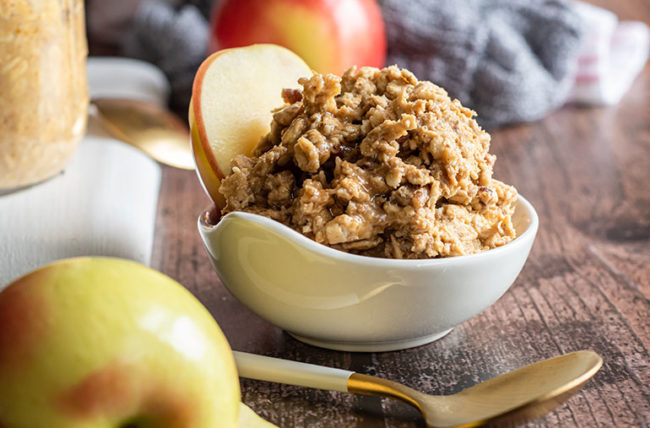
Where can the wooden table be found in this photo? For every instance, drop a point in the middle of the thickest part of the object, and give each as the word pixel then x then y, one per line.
pixel 586 284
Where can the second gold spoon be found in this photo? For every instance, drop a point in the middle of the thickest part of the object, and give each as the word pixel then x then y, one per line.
pixel 512 398
pixel 152 129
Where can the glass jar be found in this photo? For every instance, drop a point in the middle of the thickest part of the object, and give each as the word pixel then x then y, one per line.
pixel 43 90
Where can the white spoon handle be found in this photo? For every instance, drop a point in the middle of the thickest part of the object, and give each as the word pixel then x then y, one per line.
pixel 270 369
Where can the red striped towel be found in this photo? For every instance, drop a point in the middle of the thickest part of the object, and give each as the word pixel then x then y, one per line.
pixel 611 55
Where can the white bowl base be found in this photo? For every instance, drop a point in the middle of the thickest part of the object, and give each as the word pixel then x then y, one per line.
pixel 396 345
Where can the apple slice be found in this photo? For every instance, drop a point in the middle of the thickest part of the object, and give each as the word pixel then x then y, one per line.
pixel 249 419
pixel 233 94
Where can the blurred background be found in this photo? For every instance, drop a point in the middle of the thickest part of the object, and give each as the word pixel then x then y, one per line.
pixel 510 60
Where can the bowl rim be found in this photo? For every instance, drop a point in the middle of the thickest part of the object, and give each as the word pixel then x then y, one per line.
pixel 380 262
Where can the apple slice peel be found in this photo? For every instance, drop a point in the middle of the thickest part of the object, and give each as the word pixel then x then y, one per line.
pixel 233 94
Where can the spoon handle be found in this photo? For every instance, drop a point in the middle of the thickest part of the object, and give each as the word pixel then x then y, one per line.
pixel 271 369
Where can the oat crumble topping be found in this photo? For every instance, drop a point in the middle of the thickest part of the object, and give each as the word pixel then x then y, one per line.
pixel 376 163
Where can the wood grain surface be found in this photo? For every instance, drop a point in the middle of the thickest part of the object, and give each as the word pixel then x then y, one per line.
pixel 586 284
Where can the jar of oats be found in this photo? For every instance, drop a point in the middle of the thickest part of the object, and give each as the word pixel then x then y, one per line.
pixel 43 91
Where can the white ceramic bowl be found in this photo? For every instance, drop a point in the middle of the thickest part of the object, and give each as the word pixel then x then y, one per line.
pixel 342 301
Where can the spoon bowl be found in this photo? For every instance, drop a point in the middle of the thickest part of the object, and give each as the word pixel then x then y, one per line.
pixel 150 128
pixel 510 399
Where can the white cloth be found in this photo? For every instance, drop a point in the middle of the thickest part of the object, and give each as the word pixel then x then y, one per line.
pixel 103 204
pixel 118 77
pixel 611 55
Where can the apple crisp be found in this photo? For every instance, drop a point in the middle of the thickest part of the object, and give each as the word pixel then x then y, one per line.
pixel 376 163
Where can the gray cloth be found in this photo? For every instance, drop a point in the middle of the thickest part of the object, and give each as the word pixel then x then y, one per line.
pixel 174 40
pixel 509 60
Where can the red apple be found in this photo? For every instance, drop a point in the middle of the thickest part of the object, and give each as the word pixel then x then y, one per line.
pixel 330 35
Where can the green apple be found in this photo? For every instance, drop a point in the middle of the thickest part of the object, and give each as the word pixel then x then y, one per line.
pixel 101 342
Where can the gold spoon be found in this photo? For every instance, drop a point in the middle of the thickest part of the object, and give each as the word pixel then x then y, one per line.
pixel 512 398
pixel 150 128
